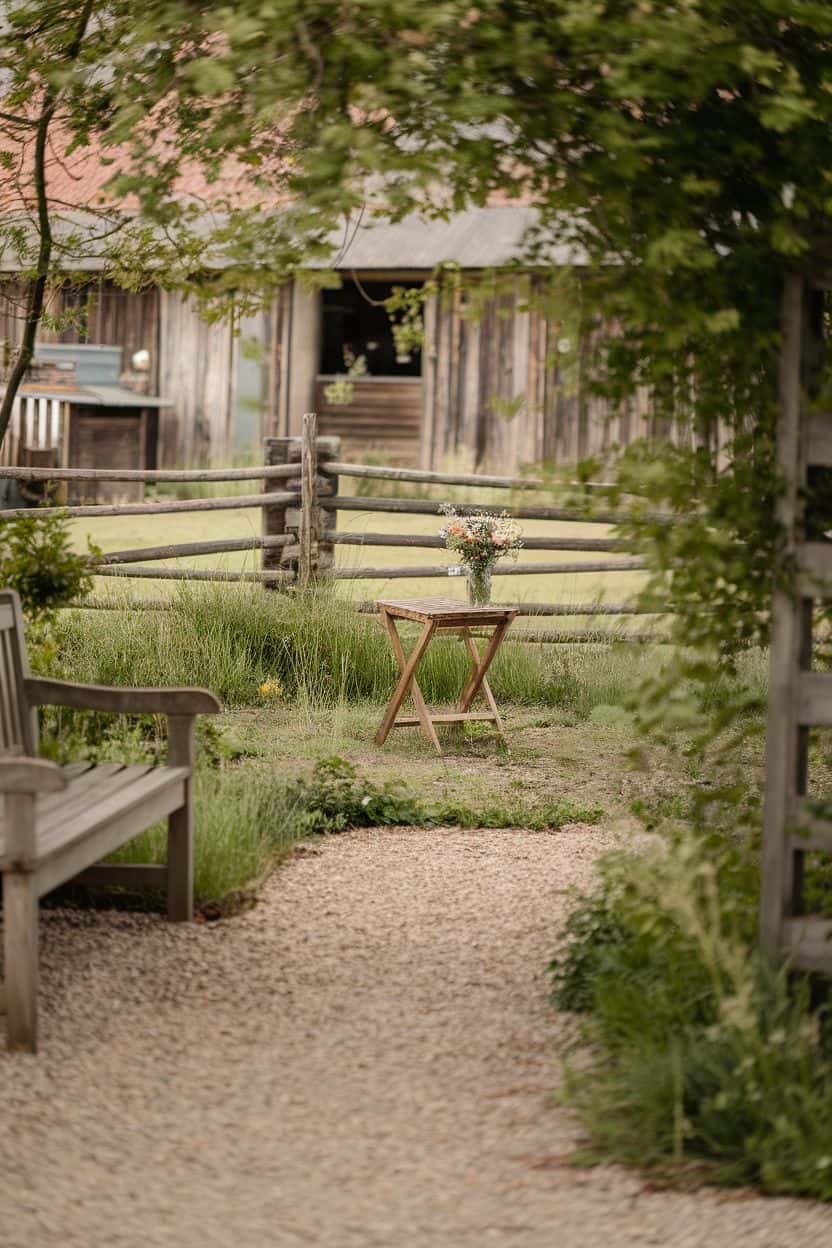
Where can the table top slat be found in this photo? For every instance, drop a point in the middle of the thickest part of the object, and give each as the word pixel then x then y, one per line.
pixel 442 610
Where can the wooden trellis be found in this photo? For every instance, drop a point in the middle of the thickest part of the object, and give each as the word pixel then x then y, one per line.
pixel 800 698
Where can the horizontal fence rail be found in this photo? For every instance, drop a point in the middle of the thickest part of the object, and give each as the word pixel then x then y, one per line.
pixel 193 574
pixel 263 472
pixel 509 569
pixel 380 472
pixel 427 507
pixel 438 543
pixel 232 503
pixel 181 550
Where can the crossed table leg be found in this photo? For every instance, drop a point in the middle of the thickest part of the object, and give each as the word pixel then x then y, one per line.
pixel 408 683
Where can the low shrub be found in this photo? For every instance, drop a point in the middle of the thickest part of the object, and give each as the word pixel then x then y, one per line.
pixel 335 796
pixel 700 1055
pixel 37 559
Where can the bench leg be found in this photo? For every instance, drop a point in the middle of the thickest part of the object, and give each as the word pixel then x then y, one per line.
pixel 20 952
pixel 181 864
pixel 181 753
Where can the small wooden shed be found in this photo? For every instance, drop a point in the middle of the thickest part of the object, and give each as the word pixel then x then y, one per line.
pixel 73 410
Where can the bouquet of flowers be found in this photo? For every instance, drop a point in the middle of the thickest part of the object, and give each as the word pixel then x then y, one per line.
pixel 480 540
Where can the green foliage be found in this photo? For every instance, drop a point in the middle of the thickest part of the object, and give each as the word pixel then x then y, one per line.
pixel 247 818
pixel 37 559
pixel 335 796
pixel 241 829
pixel 700 1054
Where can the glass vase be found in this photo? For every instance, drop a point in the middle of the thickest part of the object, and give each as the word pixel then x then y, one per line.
pixel 479 586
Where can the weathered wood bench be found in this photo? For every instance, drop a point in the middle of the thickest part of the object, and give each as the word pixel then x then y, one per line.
pixel 58 821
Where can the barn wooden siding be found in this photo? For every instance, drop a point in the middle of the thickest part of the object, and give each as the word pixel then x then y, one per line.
pixel 503 385
pixel 384 415
pixel 195 364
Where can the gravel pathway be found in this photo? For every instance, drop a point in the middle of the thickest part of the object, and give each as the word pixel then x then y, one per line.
pixel 365 1059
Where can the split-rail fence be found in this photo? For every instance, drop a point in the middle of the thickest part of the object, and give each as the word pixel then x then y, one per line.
pixel 300 501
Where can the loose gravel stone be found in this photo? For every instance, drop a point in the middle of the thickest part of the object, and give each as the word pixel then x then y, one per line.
pixel 366 1059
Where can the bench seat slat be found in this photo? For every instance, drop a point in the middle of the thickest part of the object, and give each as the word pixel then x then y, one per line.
pixel 89 788
pixel 108 824
pixel 123 792
pixel 77 791
pixel 91 797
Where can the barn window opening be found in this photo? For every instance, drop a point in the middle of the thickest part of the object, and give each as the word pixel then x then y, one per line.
pixel 355 325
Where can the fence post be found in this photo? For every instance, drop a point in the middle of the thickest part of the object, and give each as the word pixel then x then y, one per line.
pixel 309 512
pixel 275 451
pixel 314 553
pixel 329 448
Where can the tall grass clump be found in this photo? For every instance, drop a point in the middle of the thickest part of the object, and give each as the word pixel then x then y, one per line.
pixel 234 638
pixel 240 831
pixel 703 1059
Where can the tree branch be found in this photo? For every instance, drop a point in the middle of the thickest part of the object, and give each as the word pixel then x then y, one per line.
pixel 37 292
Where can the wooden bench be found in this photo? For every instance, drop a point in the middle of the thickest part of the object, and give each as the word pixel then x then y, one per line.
pixel 58 821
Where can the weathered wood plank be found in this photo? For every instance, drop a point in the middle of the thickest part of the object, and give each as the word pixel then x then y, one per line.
pixel 386 472
pixel 432 571
pixel 429 507
pixel 264 472
pixel 182 550
pixel 814 565
pixel 136 875
pixel 78 789
pixel 814 699
pixel 234 503
pixel 95 834
pixel 180 866
pixel 788 640
pixel 308 528
pixel 130 572
pixel 105 781
pixel 819 439
pixel 30 775
pixel 20 956
pixel 431 542
pixel 807 943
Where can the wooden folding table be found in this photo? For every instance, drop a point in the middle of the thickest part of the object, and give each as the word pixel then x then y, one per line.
pixel 447 615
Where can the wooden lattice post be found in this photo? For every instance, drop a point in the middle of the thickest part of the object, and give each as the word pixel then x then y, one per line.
pixel 799 698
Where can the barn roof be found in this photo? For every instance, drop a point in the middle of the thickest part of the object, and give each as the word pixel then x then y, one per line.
pixel 478 238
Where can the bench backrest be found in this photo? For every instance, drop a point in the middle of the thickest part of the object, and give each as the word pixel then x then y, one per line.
pixel 18 723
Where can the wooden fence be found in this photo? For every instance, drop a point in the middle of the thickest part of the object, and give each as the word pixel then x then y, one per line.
pixel 300 502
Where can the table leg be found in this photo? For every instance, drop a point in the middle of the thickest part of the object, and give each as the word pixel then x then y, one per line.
pixel 406 680
pixel 480 668
pixel 486 688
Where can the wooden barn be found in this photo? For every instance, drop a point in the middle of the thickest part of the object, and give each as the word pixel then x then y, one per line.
pixel 494 383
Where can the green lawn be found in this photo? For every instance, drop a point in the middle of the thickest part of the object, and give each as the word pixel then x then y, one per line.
pixel 125 532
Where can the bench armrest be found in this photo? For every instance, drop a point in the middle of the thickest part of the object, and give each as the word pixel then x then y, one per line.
pixel 30 775
pixel 41 692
